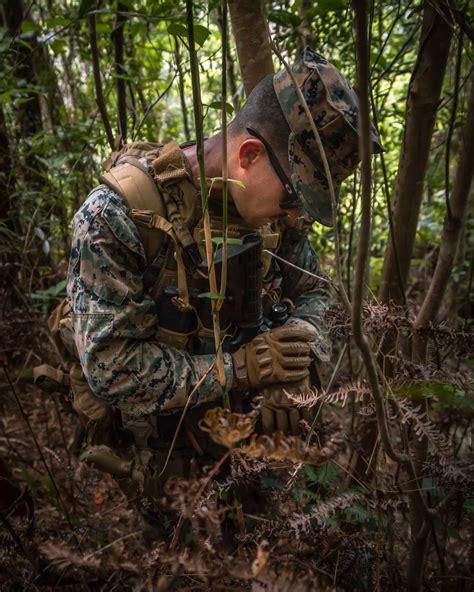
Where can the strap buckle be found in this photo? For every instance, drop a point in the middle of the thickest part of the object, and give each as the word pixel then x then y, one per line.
pixel 142 217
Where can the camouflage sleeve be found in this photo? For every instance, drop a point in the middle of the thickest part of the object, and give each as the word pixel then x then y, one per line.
pixel 310 296
pixel 115 322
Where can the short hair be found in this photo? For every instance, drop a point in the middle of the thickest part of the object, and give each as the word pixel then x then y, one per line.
pixel 262 111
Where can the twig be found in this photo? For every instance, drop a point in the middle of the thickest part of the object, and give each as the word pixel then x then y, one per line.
pixel 126 536
pixel 195 500
pixel 301 269
pixel 38 448
pixel 181 419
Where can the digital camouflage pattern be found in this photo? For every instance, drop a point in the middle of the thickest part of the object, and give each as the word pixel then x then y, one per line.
pixel 334 106
pixel 115 320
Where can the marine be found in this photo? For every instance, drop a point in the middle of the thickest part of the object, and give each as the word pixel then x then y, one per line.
pixel 121 297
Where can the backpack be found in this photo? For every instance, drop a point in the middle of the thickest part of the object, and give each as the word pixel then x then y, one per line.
pixel 155 184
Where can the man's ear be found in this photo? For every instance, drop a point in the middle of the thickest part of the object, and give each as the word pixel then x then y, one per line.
pixel 250 151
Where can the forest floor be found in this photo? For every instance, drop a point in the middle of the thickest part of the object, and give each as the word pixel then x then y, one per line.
pixel 68 526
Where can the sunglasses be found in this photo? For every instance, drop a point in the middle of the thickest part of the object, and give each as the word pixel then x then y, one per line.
pixel 292 200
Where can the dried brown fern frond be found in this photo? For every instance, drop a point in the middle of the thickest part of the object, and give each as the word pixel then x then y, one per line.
pixel 304 399
pixel 227 428
pixel 451 473
pixel 423 426
pixel 64 556
pixel 323 510
pixel 407 373
pixel 355 389
pixel 378 319
pixel 290 448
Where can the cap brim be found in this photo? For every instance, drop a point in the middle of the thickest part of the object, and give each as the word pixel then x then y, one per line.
pixel 311 183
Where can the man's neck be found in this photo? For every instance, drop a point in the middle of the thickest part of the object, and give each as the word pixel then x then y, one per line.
pixel 212 158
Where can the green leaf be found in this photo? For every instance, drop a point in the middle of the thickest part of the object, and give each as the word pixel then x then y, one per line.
pixel 85 7
pixel 47 484
pixel 330 5
pixel 201 34
pixel 451 532
pixel 469 505
pixel 218 105
pixel 237 182
pixel 29 27
pixel 213 4
pixel 212 295
pixel 58 45
pixel 28 479
pixel 177 29
pixel 219 240
pixel 284 18
pixel 58 21
pixel 446 393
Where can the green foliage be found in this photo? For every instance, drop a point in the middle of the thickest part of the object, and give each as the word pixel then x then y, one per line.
pixel 50 297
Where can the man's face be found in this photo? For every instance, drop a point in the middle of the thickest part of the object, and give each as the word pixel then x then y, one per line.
pixel 259 203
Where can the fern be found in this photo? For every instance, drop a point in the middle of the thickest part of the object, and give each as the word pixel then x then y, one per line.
pixel 323 476
pixel 423 427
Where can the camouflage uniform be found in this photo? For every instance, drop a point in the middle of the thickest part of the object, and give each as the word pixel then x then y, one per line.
pixel 115 320
pixel 334 107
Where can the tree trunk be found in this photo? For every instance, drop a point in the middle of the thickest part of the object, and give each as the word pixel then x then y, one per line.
pixel 29 112
pixel 7 178
pixel 251 38
pixel 306 34
pixel 453 223
pixel 182 94
pixel 234 91
pixel 118 41
pixel 422 103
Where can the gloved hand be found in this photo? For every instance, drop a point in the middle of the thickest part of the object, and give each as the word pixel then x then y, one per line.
pixel 280 413
pixel 277 356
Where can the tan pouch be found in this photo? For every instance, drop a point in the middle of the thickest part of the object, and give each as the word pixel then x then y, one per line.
pixel 85 403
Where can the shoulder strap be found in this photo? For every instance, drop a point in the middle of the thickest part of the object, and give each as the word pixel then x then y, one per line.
pixel 140 193
pixel 147 210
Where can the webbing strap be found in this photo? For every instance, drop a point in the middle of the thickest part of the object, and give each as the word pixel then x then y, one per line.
pixel 151 219
pixel 50 379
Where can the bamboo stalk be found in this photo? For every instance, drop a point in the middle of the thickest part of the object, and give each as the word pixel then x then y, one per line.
pixel 198 121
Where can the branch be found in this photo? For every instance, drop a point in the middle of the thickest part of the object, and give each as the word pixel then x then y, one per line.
pixel 364 232
pixel 98 81
pixel 117 37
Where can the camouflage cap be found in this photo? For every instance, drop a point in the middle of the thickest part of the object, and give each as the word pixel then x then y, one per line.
pixel 334 106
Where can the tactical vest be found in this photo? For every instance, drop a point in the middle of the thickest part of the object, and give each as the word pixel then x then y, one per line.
pixel 155 183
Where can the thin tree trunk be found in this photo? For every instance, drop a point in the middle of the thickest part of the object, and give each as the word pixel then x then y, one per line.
pixel 118 41
pixel 306 34
pixel 182 95
pixel 453 223
pixel 422 103
pixel 98 81
pixel 253 47
pixel 232 84
pixel 7 178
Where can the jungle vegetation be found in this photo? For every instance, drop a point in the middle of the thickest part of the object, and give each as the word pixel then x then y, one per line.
pixel 380 495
